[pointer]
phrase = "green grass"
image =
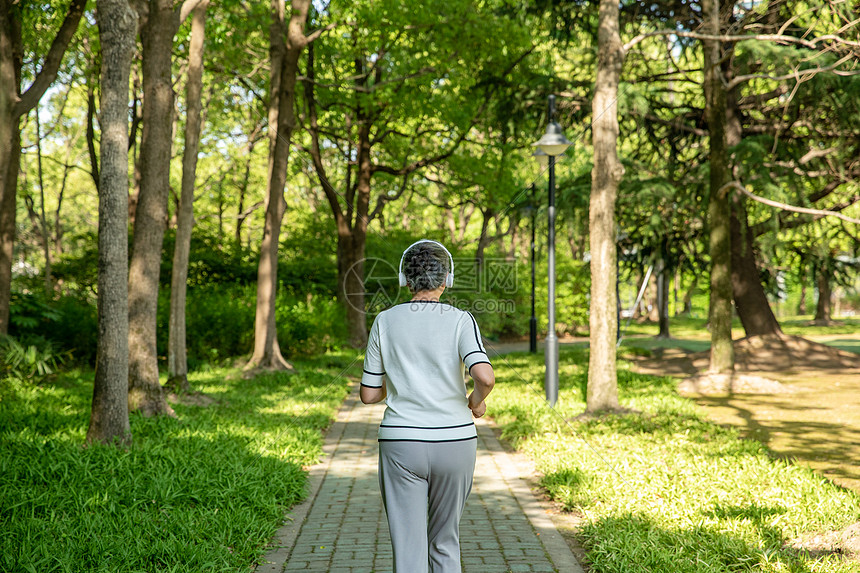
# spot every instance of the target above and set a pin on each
(679, 327)
(800, 326)
(203, 492)
(665, 490)
(696, 327)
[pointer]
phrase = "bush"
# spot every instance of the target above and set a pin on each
(220, 323)
(32, 360)
(69, 323)
(310, 326)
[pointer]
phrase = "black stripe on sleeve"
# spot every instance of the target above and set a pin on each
(373, 373)
(474, 352)
(479, 362)
(369, 386)
(475, 326)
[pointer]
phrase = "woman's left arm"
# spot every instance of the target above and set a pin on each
(371, 395)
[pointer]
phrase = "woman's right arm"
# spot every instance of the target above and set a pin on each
(485, 379)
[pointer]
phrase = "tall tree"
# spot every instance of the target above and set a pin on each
(602, 390)
(389, 99)
(287, 40)
(177, 359)
(14, 104)
(160, 21)
(117, 24)
(720, 307)
(773, 129)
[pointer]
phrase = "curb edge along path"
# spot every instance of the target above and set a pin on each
(497, 475)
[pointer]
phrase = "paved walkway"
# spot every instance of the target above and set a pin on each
(341, 527)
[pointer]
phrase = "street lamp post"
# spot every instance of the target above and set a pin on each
(553, 143)
(533, 319)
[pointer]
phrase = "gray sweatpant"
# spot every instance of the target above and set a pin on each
(424, 489)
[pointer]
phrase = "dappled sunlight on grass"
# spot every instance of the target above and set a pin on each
(665, 489)
(205, 490)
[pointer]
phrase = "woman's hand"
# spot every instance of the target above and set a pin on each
(479, 410)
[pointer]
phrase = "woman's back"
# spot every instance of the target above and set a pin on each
(420, 347)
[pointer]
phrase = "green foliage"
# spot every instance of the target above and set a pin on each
(204, 492)
(27, 361)
(220, 323)
(68, 323)
(311, 326)
(30, 312)
(664, 489)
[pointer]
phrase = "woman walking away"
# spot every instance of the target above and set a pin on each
(427, 439)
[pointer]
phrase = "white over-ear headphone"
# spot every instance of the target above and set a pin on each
(449, 280)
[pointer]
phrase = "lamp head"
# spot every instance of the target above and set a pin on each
(553, 142)
(542, 158)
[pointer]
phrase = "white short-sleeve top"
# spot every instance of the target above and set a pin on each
(419, 348)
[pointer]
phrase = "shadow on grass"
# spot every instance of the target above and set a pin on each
(207, 503)
(805, 441)
(632, 542)
(203, 492)
(847, 344)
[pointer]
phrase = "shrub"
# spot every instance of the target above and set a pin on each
(310, 326)
(69, 323)
(32, 360)
(220, 323)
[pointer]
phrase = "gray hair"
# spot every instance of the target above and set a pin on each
(425, 266)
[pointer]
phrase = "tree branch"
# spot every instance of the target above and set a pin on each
(785, 207)
(187, 8)
(799, 75)
(313, 129)
(48, 73)
(317, 33)
(779, 38)
(382, 199)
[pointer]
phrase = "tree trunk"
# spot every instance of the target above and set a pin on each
(177, 359)
(13, 105)
(150, 215)
(450, 224)
(350, 255)
(483, 238)
(662, 274)
(353, 281)
(751, 301)
(801, 304)
(651, 298)
(688, 296)
(109, 417)
(58, 223)
(136, 118)
(91, 134)
(43, 218)
(825, 297)
(10, 159)
(602, 390)
(242, 213)
(286, 44)
(720, 307)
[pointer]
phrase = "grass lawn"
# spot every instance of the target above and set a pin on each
(203, 492)
(665, 490)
